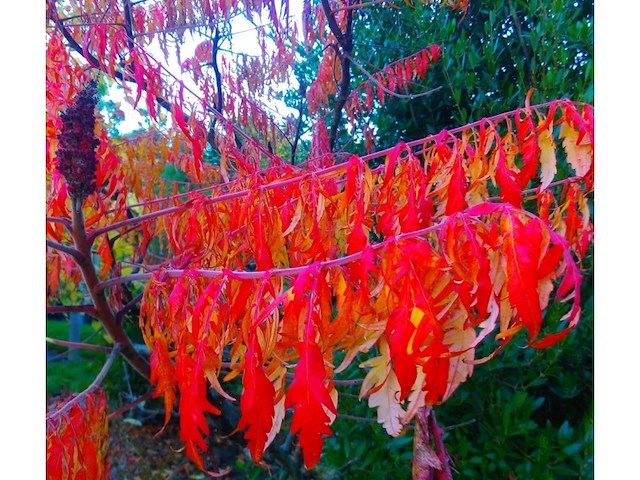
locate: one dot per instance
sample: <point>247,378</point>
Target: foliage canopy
<point>279,273</point>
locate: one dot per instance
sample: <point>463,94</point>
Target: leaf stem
<point>134,221</point>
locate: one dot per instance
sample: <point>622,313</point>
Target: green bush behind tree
<point>527,413</point>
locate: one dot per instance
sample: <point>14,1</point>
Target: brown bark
<point>103,310</point>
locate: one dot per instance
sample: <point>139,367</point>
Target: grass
<point>72,376</point>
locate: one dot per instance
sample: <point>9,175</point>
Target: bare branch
<point>90,309</point>
<point>65,249</point>
<point>358,6</point>
<point>345,39</point>
<point>64,221</point>
<point>129,406</point>
<point>294,144</point>
<point>123,311</point>
<point>86,346</point>
<point>356,418</point>
<point>96,382</point>
<point>134,221</point>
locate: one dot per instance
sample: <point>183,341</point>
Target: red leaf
<point>400,334</point>
<point>162,376</point>
<point>309,397</point>
<point>510,190</point>
<point>520,247</point>
<point>256,403</point>
<point>193,402</point>
<point>356,240</point>
<point>434,52</point>
<point>436,371</point>
<point>457,188</point>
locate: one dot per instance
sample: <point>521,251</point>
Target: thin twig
<point>129,406</point>
<point>356,418</point>
<point>96,382</point>
<point>357,6</point>
<point>121,313</point>
<point>459,425</point>
<point>86,346</point>
<point>90,309</point>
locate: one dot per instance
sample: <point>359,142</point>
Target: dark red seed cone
<point>77,144</point>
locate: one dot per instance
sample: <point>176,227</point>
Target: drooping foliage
<point>77,439</point>
<point>490,59</point>
<point>267,272</point>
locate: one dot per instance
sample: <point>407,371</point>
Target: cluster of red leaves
<point>118,46</point>
<point>397,76</point>
<point>461,237</point>
<point>106,175</point>
<point>77,440</point>
<point>417,259</point>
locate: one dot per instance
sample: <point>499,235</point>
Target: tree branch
<point>128,23</point>
<point>90,309</point>
<point>63,221</point>
<point>129,406</point>
<point>358,6</point>
<point>345,40</point>
<point>218,77</point>
<point>122,312</point>
<point>105,315</point>
<point>86,346</point>
<point>134,221</point>
<point>296,139</point>
<point>94,62</point>
<point>259,274</point>
<point>65,249</point>
<point>96,382</point>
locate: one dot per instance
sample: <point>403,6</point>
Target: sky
<point>242,40</point>
<point>22,291</point>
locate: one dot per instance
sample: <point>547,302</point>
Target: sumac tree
<point>277,272</point>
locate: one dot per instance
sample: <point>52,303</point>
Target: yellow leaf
<point>416,398</point>
<point>416,317</point>
<point>379,370</point>
<point>390,413</point>
<point>579,156</point>
<point>279,411</point>
<point>547,158</point>
<point>294,220</point>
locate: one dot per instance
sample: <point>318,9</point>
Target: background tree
<point>490,57</point>
<point>283,276</point>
